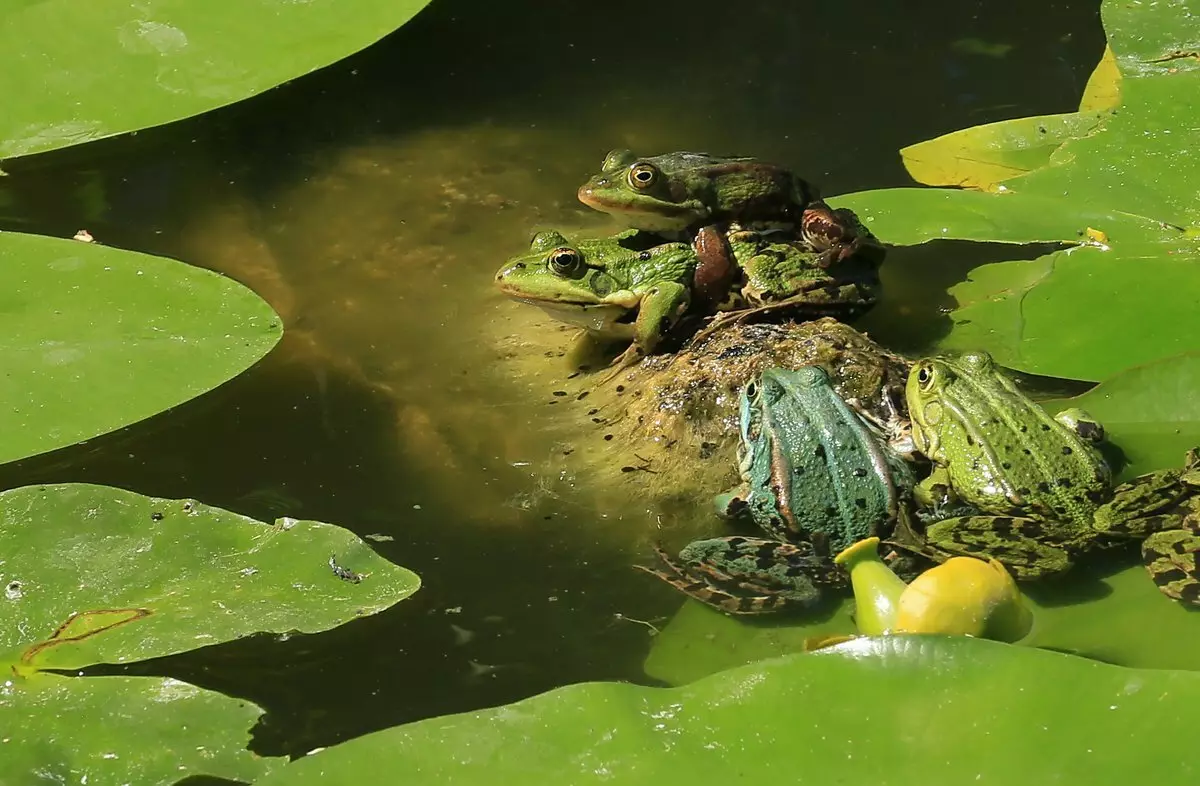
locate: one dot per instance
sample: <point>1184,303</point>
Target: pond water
<point>371,203</point>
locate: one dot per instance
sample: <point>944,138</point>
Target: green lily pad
<point>78,72</point>
<point>896,710</point>
<point>1121,195</point>
<point>92,574</point>
<point>140,730</point>
<point>1151,412</point>
<point>983,156</point>
<point>96,338</point>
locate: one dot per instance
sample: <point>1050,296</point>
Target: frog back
<point>1007,455</point>
<point>817,474</point>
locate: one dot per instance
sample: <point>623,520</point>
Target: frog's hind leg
<point>1172,558</point>
<point>740,575</point>
<point>1021,545</point>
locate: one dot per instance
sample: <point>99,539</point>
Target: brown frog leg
<point>1172,558</point>
<point>717,267</point>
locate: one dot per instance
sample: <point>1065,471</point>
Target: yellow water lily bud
<point>964,596</point>
<point>968,596</point>
<point>877,589</point>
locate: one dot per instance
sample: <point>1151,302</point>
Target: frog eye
<point>751,390</point>
<point>925,378</point>
<point>643,175</point>
<point>564,261</point>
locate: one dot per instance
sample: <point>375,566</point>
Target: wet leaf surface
<point>92,574</point>
<point>896,710</point>
<point>78,73</point>
<point>97,338</point>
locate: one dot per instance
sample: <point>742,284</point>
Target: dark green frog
<point>816,478</point>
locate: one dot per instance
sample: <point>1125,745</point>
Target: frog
<point>1034,491</point>
<point>681,191</point>
<point>621,287</point>
<point>816,476</point>
<point>634,286</point>
<point>772,274</point>
<point>694,196</point>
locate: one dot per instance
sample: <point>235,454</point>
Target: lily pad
<point>96,338</point>
<point>1120,192</point>
<point>896,710</point>
<point>92,574</point>
<point>78,72</point>
<point>140,730</point>
<point>1151,412</point>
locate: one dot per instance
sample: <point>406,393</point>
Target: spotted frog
<point>1033,490</point>
<point>599,284</point>
<point>634,285</point>
<point>696,196</point>
<point>816,478</point>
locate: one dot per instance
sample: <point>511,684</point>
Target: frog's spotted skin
<point>700,197</point>
<point>1040,490</point>
<point>681,191</point>
<point>741,575</point>
<point>1172,561</point>
<point>597,283</point>
<point>816,478</point>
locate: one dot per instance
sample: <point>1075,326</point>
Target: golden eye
<point>564,261</point>
<point>925,378</point>
<point>643,175</point>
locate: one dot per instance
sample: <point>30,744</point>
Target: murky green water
<point>371,204</point>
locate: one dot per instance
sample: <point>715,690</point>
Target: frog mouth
<point>605,318</point>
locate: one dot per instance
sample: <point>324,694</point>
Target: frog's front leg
<point>660,308</point>
<point>935,491</point>
<point>1020,544</point>
<point>732,504</point>
<point>739,575</point>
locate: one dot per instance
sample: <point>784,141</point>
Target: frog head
<point>653,194</point>
<point>596,283</point>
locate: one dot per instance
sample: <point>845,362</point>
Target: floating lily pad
<point>92,574</point>
<point>1122,195</point>
<point>1152,412</point>
<point>77,72</point>
<point>96,338</point>
<point>899,710</point>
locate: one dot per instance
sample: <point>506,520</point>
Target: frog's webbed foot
<point>623,362</point>
<point>739,575</point>
<point>1172,558</point>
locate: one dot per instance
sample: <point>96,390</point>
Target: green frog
<point>695,196</point>
<point>635,286</point>
<point>675,192</point>
<point>816,477</point>
<point>599,284</point>
<point>1037,491</point>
